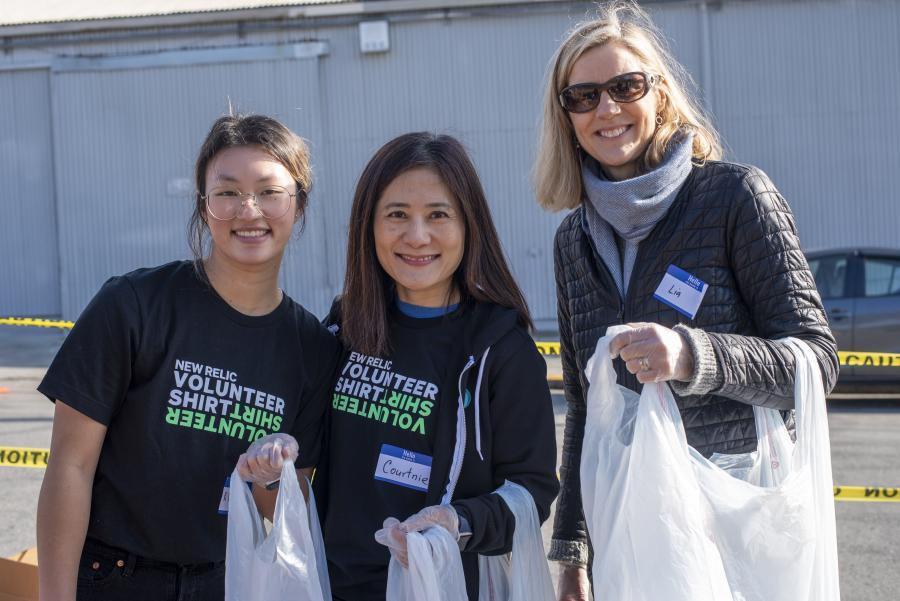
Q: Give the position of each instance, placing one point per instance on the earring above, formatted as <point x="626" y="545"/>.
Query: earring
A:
<point x="659" y="119"/>
<point x="577" y="145"/>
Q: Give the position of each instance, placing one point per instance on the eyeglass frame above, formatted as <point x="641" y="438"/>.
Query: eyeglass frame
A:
<point x="244" y="198"/>
<point x="651" y="78"/>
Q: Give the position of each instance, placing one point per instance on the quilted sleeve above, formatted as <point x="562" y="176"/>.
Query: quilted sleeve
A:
<point x="776" y="284"/>
<point x="570" y="540"/>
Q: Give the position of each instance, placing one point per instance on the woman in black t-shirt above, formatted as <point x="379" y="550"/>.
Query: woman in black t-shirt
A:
<point x="442" y="395"/>
<point x="170" y="373"/>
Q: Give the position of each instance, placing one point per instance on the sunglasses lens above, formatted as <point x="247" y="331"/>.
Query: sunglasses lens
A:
<point x="580" y="98"/>
<point x="584" y="97"/>
<point x="628" y="88"/>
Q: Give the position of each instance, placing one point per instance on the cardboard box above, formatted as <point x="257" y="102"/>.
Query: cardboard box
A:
<point x="19" y="577"/>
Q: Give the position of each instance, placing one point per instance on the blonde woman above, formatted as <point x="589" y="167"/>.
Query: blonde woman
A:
<point x="699" y="255"/>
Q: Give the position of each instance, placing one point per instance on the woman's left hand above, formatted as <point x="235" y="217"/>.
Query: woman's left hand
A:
<point x="654" y="353"/>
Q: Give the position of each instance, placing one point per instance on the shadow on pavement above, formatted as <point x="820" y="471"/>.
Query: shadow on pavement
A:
<point x="29" y="346"/>
<point x="864" y="405"/>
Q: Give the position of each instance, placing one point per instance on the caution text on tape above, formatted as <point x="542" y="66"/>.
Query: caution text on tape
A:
<point x="867" y="493"/>
<point x="23" y="457"/>
<point x="547" y="348"/>
<point x="853" y="359"/>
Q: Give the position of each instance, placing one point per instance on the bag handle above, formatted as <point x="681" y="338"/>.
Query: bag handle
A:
<point x="242" y="512"/>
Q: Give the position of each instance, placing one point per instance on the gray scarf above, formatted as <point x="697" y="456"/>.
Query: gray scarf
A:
<point x="625" y="212"/>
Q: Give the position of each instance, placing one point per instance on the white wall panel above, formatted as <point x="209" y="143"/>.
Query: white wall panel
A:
<point x="29" y="269"/>
<point x="126" y="141"/>
<point x="805" y="89"/>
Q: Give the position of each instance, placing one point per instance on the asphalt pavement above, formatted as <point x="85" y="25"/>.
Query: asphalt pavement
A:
<point x="865" y="442"/>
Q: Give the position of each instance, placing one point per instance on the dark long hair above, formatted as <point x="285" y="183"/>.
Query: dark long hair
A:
<point x="482" y="275"/>
<point x="274" y="138"/>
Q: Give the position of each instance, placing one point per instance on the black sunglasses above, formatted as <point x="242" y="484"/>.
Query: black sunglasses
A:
<point x="628" y="87"/>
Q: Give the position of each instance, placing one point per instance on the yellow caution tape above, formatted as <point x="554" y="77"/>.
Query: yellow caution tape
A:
<point x="853" y="359"/>
<point x="848" y="358"/>
<point x="29" y="457"/>
<point x="39" y="323"/>
<point x="867" y="493"/>
<point x="547" y="348"/>
<point x="23" y="457"/>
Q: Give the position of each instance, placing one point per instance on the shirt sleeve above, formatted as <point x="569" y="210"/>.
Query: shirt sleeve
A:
<point x="524" y="449"/>
<point x="773" y="277"/>
<point x="322" y="358"/>
<point x="92" y="370"/>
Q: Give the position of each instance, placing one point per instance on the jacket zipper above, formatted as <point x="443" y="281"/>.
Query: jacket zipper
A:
<point x="459" y="450"/>
<point x="620" y="315"/>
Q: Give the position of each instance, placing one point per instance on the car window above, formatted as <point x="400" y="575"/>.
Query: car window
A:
<point x="830" y="274"/>
<point x="882" y="276"/>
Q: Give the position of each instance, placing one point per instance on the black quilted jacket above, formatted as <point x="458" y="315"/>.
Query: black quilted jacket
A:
<point x="730" y="227"/>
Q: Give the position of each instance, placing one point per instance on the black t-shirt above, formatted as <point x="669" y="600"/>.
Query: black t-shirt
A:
<point x="185" y="383"/>
<point x="381" y="440"/>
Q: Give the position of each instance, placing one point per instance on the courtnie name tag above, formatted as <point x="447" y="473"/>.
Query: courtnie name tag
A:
<point x="681" y="291"/>
<point x="404" y="468"/>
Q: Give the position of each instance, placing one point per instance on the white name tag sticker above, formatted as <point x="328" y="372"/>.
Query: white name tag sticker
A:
<point x="226" y="491"/>
<point x="223" y="502"/>
<point x="681" y="291"/>
<point x="403" y="468"/>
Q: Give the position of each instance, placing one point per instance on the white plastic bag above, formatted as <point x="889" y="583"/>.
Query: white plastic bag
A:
<point x="289" y="562"/>
<point x="435" y="565"/>
<point x="435" y="569"/>
<point x="670" y="524"/>
<point x="522" y="575"/>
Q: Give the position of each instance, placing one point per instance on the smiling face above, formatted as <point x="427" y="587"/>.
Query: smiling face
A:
<point x="420" y="237"/>
<point x="250" y="239"/>
<point x="615" y="134"/>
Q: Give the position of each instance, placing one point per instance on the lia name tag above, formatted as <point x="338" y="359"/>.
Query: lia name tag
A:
<point x="681" y="291"/>
<point x="403" y="468"/>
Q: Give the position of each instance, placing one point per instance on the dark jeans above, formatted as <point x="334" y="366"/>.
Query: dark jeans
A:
<point x="109" y="574"/>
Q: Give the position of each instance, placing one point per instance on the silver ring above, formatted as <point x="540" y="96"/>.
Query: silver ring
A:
<point x="645" y="364"/>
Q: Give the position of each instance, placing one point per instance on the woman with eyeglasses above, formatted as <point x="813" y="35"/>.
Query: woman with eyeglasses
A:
<point x="170" y="373"/>
<point x="441" y="395"/>
<point x="700" y="256"/>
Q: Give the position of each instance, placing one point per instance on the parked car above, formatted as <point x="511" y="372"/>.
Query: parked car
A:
<point x="860" y="288"/>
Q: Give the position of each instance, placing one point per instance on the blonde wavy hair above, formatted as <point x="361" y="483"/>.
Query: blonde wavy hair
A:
<point x="557" y="168"/>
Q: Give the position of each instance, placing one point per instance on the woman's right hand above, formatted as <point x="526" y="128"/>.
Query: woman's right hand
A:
<point x="262" y="462"/>
<point x="574" y="584"/>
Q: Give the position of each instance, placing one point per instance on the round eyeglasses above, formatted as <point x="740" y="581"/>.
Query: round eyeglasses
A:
<point x="224" y="203"/>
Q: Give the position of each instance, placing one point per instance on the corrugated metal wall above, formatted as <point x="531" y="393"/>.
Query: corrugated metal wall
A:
<point x="125" y="146"/>
<point x="492" y="106"/>
<point x="806" y="90"/>
<point x="28" y="247"/>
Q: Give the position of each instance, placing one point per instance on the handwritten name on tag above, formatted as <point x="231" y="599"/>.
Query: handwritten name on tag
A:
<point x="404" y="468"/>
<point x="681" y="291"/>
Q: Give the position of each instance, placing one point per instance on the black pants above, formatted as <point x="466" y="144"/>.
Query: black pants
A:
<point x="109" y="574"/>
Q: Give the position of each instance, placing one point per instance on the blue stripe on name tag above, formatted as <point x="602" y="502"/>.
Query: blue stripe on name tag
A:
<point x="420" y="458"/>
<point x="665" y="301"/>
<point x="403" y="484"/>
<point x="692" y="281"/>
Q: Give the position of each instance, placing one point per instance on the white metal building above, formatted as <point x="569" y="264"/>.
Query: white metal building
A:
<point x="103" y="106"/>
